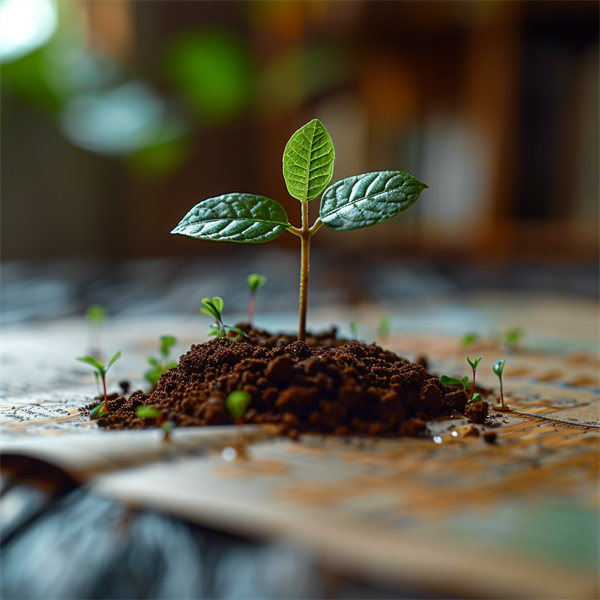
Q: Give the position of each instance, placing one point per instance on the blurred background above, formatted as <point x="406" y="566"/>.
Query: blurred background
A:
<point x="118" y="116"/>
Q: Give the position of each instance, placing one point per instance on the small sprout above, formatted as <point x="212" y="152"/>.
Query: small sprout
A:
<point x="99" y="411"/>
<point x="468" y="339"/>
<point x="159" y="367"/>
<point x="237" y="402"/>
<point x="474" y="364"/>
<point x="150" y="412"/>
<point x="101" y="370"/>
<point x="498" y="369"/>
<point x="474" y="397"/>
<point x="255" y="281"/>
<point x="513" y="337"/>
<point x="354" y="329"/>
<point x="445" y="380"/>
<point x="385" y="327"/>
<point x="213" y="307"/>
<point x="96" y="315"/>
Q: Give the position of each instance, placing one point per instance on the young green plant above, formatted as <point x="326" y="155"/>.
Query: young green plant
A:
<point x="101" y="370"/>
<point x="255" y="281"/>
<point x="352" y="203"/>
<point x="213" y="307"/>
<point x="464" y="381"/>
<point x="149" y="412"/>
<point x="385" y="327"/>
<point x="159" y="366"/>
<point x="354" y="329"/>
<point x="95" y="315"/>
<point x="498" y="369"/>
<point x="474" y="364"/>
<point x="237" y="403"/>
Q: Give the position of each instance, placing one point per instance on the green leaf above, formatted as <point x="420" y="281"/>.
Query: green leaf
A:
<point x="308" y="161"/>
<point x="256" y="281"/>
<point x="153" y="362"/>
<point x="90" y="360"/>
<point x="237" y="403"/>
<point x="211" y="309"/>
<point x="465" y="380"/>
<point x="450" y="380"/>
<point x="112" y="361"/>
<point x="468" y="339"/>
<point x="103" y="414"/>
<point x="153" y="375"/>
<point x="166" y="341"/>
<point x="499" y="367"/>
<point x="385" y="326"/>
<point x="95" y="413"/>
<point x="476" y="396"/>
<point x="218" y="303"/>
<point x="365" y="200"/>
<point x="354" y="329"/>
<point x="147" y="412"/>
<point x="474" y="363"/>
<point x="236" y="329"/>
<point x="245" y="218"/>
<point x="171" y="365"/>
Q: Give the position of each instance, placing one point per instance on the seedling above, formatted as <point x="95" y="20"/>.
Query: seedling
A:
<point x="354" y="329"/>
<point x="464" y="381"/>
<point x="498" y="369"/>
<point x="474" y="364"/>
<point x="352" y="203"/>
<point x="385" y="327"/>
<point x="213" y="307"/>
<point x="513" y="337"/>
<point x="160" y="366"/>
<point x="468" y="339"/>
<point x="255" y="281"/>
<point x="149" y="412"/>
<point x="101" y="371"/>
<point x="96" y="315"/>
<point x="237" y="402"/>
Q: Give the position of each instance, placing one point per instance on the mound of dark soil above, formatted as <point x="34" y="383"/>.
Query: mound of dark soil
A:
<point x="323" y="385"/>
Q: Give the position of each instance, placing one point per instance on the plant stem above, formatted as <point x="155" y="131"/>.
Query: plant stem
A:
<point x="251" y="309"/>
<point x="501" y="393"/>
<point x="105" y="397"/>
<point x="472" y="385"/>
<point x="305" y="234"/>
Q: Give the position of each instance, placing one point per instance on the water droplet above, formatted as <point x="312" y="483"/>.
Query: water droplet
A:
<point x="455" y="434"/>
<point x="229" y="454"/>
<point x="437" y="439"/>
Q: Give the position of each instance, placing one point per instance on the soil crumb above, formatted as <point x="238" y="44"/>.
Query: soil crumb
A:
<point x="323" y="385"/>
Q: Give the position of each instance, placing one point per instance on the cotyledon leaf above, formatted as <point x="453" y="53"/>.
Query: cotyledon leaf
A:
<point x="308" y="161"/>
<point x="245" y="218"/>
<point x="365" y="200"/>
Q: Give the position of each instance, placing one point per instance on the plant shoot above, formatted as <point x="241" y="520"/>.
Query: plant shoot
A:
<point x="149" y="412"/>
<point x="474" y="364"/>
<point x="237" y="402"/>
<point x="352" y="203"/>
<point x="498" y="369"/>
<point x="213" y="307"/>
<point x="385" y="327"/>
<point x="354" y="329"/>
<point x="101" y="371"/>
<point x="468" y="339"/>
<point x="255" y="281"/>
<point x="95" y="315"/>
<point x="158" y="367"/>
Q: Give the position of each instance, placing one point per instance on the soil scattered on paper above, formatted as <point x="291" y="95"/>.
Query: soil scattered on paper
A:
<point x="323" y="385"/>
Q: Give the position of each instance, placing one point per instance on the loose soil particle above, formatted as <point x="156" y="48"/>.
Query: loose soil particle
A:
<point x="323" y="385"/>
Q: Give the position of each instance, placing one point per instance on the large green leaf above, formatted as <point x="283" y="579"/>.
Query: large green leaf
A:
<point x="308" y="161"/>
<point x="365" y="200"/>
<point x="235" y="218"/>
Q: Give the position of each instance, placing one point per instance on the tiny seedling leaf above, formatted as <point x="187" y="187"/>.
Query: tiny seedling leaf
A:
<point x="450" y="380"/>
<point x="95" y="413"/>
<point x="465" y="380"/>
<point x="103" y="414"/>
<point x="365" y="200"/>
<point x="513" y="336"/>
<point x="385" y="326"/>
<point x="236" y="329"/>
<point x="218" y="303"/>
<point x="474" y="363"/>
<point x="354" y="329"/>
<point x="147" y="412"/>
<point x="90" y="360"/>
<point x="476" y="396"/>
<point x="256" y="281"/>
<point x="153" y="362"/>
<point x="166" y="341"/>
<point x="237" y="403"/>
<point x="308" y="161"/>
<point x="499" y="367"/>
<point x="468" y="339"/>
<point x="244" y="218"/>
<point x="112" y="361"/>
